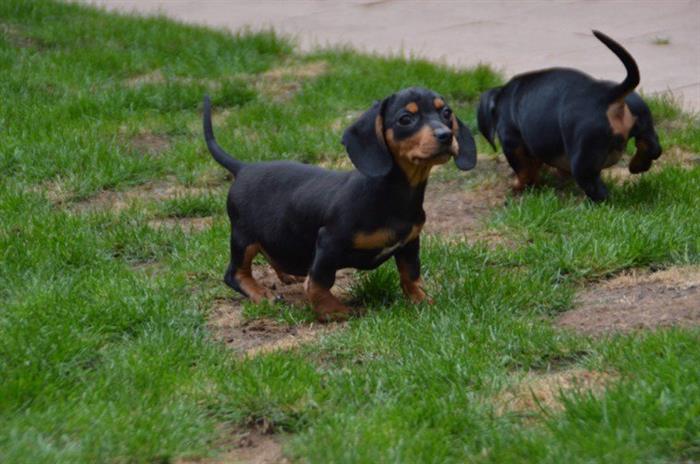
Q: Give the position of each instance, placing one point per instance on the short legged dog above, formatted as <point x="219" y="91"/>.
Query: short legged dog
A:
<point x="309" y="221"/>
<point x="566" y="119"/>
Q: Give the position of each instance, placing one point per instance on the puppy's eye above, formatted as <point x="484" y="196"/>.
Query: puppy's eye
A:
<point x="447" y="113"/>
<point x="406" y="120"/>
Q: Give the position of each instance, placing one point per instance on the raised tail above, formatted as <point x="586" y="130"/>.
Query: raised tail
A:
<point x="632" y="80"/>
<point x="221" y="157"/>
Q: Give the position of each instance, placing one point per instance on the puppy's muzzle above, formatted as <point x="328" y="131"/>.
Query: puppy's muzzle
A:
<point x="446" y="145"/>
<point x="443" y="135"/>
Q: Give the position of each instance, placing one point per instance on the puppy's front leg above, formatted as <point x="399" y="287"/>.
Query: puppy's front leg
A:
<point x="408" y="263"/>
<point x="320" y="280"/>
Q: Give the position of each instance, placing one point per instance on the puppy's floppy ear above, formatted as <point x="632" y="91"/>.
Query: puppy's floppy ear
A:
<point x="365" y="143"/>
<point x="466" y="157"/>
<point x="486" y="114"/>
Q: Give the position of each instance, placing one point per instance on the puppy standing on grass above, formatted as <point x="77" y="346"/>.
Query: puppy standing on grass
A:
<point x="566" y="119"/>
<point x="311" y="222"/>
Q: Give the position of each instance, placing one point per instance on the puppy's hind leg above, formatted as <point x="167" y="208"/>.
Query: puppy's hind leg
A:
<point x="527" y="168"/>
<point x="239" y="275"/>
<point x="286" y="279"/>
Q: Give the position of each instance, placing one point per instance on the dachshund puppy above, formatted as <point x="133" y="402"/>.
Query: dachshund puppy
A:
<point x="309" y="221"/>
<point x="566" y="119"/>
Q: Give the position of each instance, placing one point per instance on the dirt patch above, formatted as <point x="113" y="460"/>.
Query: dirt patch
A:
<point x="283" y="82"/>
<point x="219" y="116"/>
<point x="259" y="336"/>
<point x="298" y="71"/>
<point x="152" y="77"/>
<point x="54" y="190"/>
<point x="459" y="207"/>
<point x="637" y="300"/>
<point x="18" y="38"/>
<point x="149" y="268"/>
<point x="679" y="156"/>
<point x="452" y="209"/>
<point x="264" y="335"/>
<point x="336" y="163"/>
<point x="214" y="177"/>
<point x="256" y="448"/>
<point x="674" y="156"/>
<point x="543" y="391"/>
<point x="158" y="77"/>
<point x="186" y="224"/>
<point x="253" y="447"/>
<point x="345" y="121"/>
<point x="116" y="201"/>
<point x="148" y="143"/>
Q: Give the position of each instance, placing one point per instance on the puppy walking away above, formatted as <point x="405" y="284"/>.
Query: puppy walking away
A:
<point x="566" y="119"/>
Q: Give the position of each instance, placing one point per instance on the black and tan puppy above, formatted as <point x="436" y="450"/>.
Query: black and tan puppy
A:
<point x="566" y="119"/>
<point x="311" y="222"/>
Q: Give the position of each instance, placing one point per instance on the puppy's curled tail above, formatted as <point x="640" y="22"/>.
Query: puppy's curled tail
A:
<point x="221" y="157"/>
<point x="632" y="80"/>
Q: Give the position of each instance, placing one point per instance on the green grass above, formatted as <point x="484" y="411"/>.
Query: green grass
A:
<point x="104" y="351"/>
<point x="675" y="128"/>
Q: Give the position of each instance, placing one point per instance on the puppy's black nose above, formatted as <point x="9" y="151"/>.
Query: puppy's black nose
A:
<point x="443" y="135"/>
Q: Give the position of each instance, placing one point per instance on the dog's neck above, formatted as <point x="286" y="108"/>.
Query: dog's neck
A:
<point x="414" y="174"/>
<point x="404" y="198"/>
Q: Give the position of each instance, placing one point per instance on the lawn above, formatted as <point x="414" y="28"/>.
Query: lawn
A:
<point x="113" y="243"/>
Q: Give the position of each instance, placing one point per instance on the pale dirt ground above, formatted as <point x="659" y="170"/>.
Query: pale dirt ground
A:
<point x="637" y="300"/>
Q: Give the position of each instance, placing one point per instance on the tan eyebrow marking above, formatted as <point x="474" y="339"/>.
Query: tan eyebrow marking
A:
<point x="412" y="107"/>
<point x="439" y="103"/>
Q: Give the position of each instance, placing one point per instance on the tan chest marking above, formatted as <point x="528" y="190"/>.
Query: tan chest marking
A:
<point x="412" y="235"/>
<point x="379" y="238"/>
<point x="620" y="118"/>
<point x="415" y="232"/>
<point x="384" y="239"/>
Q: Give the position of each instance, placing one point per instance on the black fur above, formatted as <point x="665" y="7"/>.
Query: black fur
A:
<point x="466" y="157"/>
<point x="367" y="150"/>
<point x="559" y="116"/>
<point x="305" y="218"/>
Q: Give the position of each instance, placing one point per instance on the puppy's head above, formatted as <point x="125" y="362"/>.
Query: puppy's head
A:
<point x="414" y="129"/>
<point x="645" y="137"/>
<point x="486" y="115"/>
